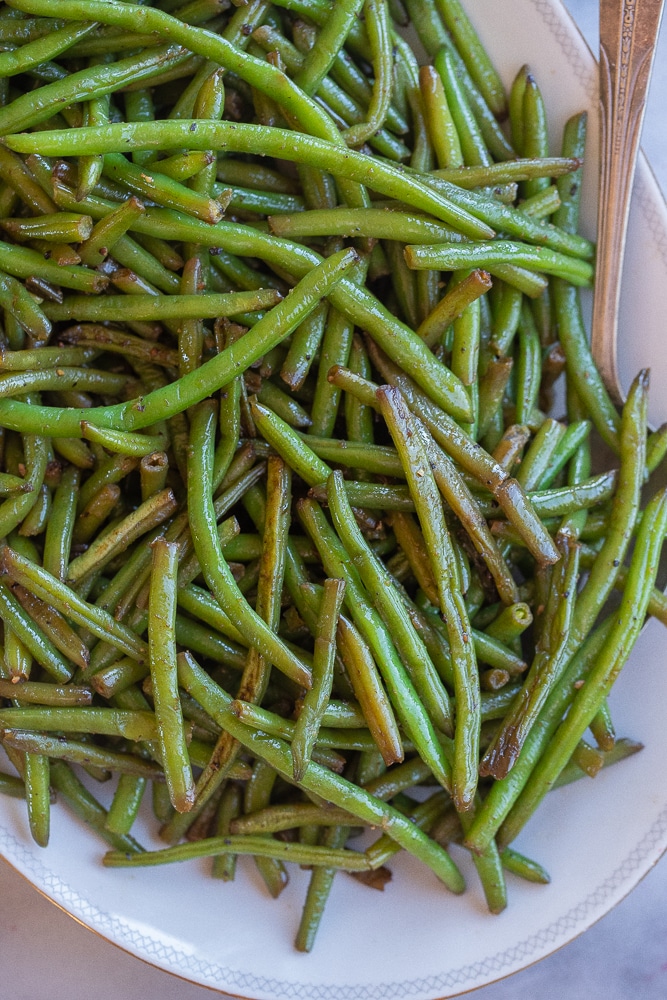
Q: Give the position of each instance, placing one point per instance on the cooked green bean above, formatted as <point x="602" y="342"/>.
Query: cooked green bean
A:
<point x="315" y="700"/>
<point x="162" y="664"/>
<point x="241" y="138"/>
<point x="80" y="753"/>
<point x="450" y="256"/>
<point x="133" y="725"/>
<point x="406" y="436"/>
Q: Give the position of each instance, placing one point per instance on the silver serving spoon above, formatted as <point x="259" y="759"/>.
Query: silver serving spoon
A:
<point x="628" y="35"/>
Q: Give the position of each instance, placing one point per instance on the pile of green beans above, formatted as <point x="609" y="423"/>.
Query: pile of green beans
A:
<point x="300" y="533"/>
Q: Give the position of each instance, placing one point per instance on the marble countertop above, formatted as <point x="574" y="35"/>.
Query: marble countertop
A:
<point x="624" y="955"/>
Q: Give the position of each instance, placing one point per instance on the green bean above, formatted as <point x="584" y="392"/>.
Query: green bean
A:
<point x="17" y="657"/>
<point x="581" y="368"/>
<point x="542" y="204"/>
<point x="289" y="445"/>
<point x="16" y="29"/>
<point x="36" y="777"/>
<point x="476" y="59"/>
<point x="87" y="807"/>
<point x="624" y="509"/>
<point x="121" y="675"/>
<point x="10" y="484"/>
<point x="576" y="433"/>
<point x="461" y="501"/>
<point x="75" y="451"/>
<point x="12" y="786"/>
<point x="535" y="140"/>
<point x="123" y="442"/>
<point x="61" y="227"/>
<point x="32" y="637"/>
<point x="47" y="357"/>
<point x="43" y="693"/>
<point x="321" y="881"/>
<point x="359" y="663"/>
<point x="161" y="189"/>
<point x="334" y="349"/>
<point x="28" y="110"/>
<point x="240" y="138"/>
<point x="257" y="793"/>
<point x="458" y="297"/>
<point x="424" y="491"/>
<point x="536" y="459"/>
<point x="368" y="494"/>
<point x="54" y="627"/>
<point x="162" y="663"/>
<point x="472" y="145"/>
<point x="41" y="50"/>
<point x="113" y="470"/>
<point x="332" y="38"/>
<point x="347" y="860"/>
<point x="380" y="43"/>
<point x="94" y="514"/>
<point x="520" y="169"/>
<point x="487" y="255"/>
<point x="442" y="130"/>
<point x="106" y="233"/>
<point x="22" y="262"/>
<point x="283" y="405"/>
<point x="19" y="304"/>
<point x="150" y="307"/>
<point x="125" y="804"/>
<point x="79" y="753"/>
<point x="314" y="703"/>
<point x="622" y="749"/>
<point x="303" y="348"/>
<point x="377" y="458"/>
<point x="524" y="867"/>
<point x="61" y="379"/>
<point x="229" y="808"/>
<point x="35" y="520"/>
<point x="411" y="540"/>
<point x="153" y="471"/>
<point x="511" y="623"/>
<point x="153" y="511"/>
<point x="548" y="664"/>
<point x="135" y="726"/>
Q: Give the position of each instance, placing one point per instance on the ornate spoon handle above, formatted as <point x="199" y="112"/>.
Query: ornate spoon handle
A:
<point x="628" y="34"/>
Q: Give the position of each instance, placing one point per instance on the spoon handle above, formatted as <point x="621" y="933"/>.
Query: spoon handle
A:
<point x="628" y="33"/>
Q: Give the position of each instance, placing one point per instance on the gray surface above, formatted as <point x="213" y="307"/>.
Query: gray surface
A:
<point x="47" y="956"/>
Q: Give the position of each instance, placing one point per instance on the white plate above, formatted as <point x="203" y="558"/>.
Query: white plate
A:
<point x="415" y="940"/>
